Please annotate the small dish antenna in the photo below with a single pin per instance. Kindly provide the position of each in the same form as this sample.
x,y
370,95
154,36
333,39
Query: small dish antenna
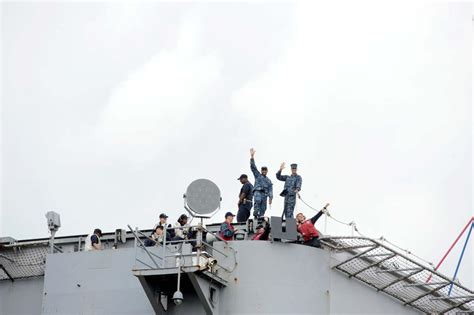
x,y
202,198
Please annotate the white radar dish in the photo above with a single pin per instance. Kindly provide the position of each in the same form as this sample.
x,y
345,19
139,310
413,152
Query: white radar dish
x,y
202,197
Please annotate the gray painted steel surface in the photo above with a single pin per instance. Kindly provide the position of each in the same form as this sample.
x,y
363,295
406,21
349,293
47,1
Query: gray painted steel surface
x,y
270,278
22,297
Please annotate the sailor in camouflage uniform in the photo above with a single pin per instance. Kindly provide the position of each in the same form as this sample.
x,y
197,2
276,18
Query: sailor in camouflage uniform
x,y
263,188
291,189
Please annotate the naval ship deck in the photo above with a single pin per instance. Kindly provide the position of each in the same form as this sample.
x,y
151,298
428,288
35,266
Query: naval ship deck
x,y
370,262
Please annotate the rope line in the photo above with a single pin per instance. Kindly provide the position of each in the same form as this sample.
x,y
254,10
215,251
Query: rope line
x,y
351,224
383,239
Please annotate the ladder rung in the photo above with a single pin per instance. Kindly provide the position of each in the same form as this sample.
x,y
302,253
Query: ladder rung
x,y
425,284
378,255
454,297
397,270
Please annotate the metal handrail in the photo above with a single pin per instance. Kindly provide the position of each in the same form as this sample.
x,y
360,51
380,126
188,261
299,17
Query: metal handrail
x,y
190,227
136,233
141,243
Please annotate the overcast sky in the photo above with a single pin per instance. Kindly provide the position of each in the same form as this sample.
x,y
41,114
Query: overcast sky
x,y
110,110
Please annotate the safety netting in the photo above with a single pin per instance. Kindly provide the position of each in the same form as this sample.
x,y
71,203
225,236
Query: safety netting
x,y
18,262
400,276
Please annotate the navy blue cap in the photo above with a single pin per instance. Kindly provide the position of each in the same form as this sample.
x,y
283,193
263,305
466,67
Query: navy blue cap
x,y
242,176
229,213
164,216
294,165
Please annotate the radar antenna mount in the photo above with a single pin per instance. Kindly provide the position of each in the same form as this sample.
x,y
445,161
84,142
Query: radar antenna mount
x,y
202,198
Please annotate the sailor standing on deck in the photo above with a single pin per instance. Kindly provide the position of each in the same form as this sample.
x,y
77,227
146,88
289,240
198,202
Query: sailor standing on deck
x,y
245,199
292,188
263,188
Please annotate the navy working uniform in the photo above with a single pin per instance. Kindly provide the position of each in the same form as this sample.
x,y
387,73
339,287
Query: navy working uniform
x,y
292,187
245,200
262,190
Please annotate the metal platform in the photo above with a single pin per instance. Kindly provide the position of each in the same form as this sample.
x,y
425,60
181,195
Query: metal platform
x,y
204,267
400,276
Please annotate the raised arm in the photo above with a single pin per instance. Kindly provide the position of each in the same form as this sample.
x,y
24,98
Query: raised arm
x,y
278,174
253,167
320,213
317,216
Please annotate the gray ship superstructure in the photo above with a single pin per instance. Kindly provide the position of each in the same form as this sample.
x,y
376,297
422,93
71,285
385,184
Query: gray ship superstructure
x,y
349,275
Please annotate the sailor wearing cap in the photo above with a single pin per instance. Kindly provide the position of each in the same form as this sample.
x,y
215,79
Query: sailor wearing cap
x,y
290,190
169,231
93,241
227,230
245,199
263,188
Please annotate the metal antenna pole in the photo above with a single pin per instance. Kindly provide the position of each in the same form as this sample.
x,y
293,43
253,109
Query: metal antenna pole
x,y
54,223
325,223
178,260
51,241
178,295
164,246
199,240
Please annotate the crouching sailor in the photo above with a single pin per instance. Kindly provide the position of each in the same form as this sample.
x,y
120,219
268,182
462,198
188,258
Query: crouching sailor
x,y
93,241
227,229
307,229
157,236
262,232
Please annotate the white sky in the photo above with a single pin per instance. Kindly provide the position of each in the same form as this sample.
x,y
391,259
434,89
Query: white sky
x,y
110,110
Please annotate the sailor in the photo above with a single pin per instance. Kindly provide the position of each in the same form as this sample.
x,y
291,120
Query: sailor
x,y
157,236
307,229
168,227
262,232
263,188
245,199
93,241
181,228
227,229
291,189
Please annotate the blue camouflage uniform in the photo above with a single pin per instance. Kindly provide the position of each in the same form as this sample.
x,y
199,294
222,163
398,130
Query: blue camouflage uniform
x,y
292,187
263,189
